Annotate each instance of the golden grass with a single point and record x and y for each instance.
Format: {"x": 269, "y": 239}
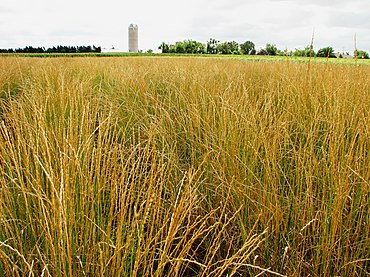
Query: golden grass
{"x": 143, "y": 166}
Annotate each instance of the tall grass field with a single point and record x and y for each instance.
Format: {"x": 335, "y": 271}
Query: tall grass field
{"x": 183, "y": 166}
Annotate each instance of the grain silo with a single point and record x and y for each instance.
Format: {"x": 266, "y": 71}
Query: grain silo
{"x": 133, "y": 38}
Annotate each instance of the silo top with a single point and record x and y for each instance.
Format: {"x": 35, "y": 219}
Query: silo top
{"x": 133, "y": 26}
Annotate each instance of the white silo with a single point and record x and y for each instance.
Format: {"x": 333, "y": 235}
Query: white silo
{"x": 133, "y": 38}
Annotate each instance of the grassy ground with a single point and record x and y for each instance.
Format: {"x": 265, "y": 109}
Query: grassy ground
{"x": 165, "y": 166}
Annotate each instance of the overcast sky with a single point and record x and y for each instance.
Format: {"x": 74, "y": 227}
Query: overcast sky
{"x": 286, "y": 23}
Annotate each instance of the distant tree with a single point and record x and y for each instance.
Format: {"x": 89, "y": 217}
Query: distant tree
{"x": 193, "y": 47}
{"x": 222, "y": 48}
{"x": 201, "y": 48}
{"x": 271, "y": 49}
{"x": 10, "y": 50}
{"x": 262, "y": 52}
{"x": 327, "y": 52}
{"x": 298, "y": 53}
{"x": 58, "y": 49}
{"x": 30, "y": 49}
{"x": 247, "y": 47}
{"x": 307, "y": 52}
{"x": 212, "y": 46}
{"x": 361, "y": 54}
{"x": 180, "y": 47}
{"x": 96, "y": 49}
{"x": 282, "y": 52}
{"x": 234, "y": 47}
{"x": 172, "y": 49}
{"x": 228, "y": 47}
{"x": 149, "y": 51}
{"x": 51, "y": 50}
{"x": 189, "y": 46}
{"x": 164, "y": 47}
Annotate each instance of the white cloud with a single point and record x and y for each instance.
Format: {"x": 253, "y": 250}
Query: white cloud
{"x": 322, "y": 3}
{"x": 286, "y": 23}
{"x": 358, "y": 20}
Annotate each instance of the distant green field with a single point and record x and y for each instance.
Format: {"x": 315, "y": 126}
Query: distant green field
{"x": 219, "y": 56}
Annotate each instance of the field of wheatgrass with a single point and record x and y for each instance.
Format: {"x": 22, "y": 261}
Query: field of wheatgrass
{"x": 183, "y": 166}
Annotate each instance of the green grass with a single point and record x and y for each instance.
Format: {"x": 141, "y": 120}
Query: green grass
{"x": 181, "y": 166}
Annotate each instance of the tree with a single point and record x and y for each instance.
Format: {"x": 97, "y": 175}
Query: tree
{"x": 58, "y": 49}
{"x": 193, "y": 47}
{"x": 262, "y": 52}
{"x": 361, "y": 54}
{"x": 282, "y": 52}
{"x": 247, "y": 47}
{"x": 180, "y": 47}
{"x": 189, "y": 46}
{"x": 164, "y": 47}
{"x": 307, "y": 52}
{"x": 271, "y": 49}
{"x": 200, "y": 48}
{"x": 326, "y": 52}
{"x": 96, "y": 49}
{"x": 10, "y": 50}
{"x": 172, "y": 48}
{"x": 228, "y": 47}
{"x": 212, "y": 45}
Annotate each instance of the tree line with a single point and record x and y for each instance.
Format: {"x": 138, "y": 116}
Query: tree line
{"x": 214, "y": 46}
{"x": 57, "y": 49}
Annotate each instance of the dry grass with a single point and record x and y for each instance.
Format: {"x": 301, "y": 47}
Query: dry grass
{"x": 183, "y": 166}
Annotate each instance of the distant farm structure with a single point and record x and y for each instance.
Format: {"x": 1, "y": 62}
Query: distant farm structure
{"x": 133, "y": 38}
